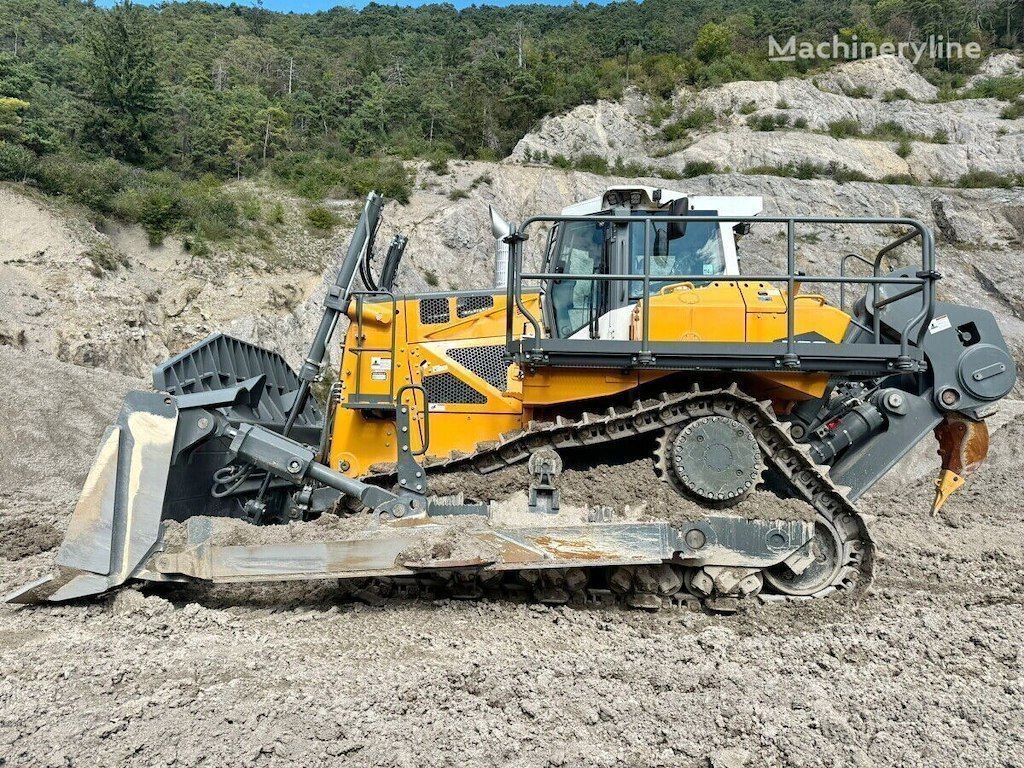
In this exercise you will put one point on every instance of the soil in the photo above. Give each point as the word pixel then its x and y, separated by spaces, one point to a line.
pixel 925 670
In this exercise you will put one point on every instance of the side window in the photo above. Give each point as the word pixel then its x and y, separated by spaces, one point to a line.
pixel 697 251
pixel 581 251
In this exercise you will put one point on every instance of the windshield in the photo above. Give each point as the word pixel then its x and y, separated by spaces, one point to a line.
pixel 698 251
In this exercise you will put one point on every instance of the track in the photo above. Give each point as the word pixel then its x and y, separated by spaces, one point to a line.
pixel 841 531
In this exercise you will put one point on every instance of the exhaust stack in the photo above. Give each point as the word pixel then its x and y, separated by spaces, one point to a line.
pixel 500 229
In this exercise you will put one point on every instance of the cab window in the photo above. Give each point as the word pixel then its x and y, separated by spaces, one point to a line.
pixel 581 251
pixel 697 251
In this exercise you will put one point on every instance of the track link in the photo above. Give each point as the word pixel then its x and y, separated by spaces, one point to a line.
pixel 788 459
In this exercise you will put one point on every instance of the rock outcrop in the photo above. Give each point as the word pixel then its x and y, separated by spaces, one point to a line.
pixel 750 125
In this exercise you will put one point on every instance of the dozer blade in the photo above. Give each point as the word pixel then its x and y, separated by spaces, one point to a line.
pixel 116 523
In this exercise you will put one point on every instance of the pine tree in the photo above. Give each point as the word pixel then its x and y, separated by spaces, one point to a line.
pixel 124 82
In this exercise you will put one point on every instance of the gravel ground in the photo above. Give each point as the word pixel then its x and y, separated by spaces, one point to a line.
pixel 925 670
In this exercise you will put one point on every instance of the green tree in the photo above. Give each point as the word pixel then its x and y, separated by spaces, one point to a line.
pixel 124 82
pixel 714 41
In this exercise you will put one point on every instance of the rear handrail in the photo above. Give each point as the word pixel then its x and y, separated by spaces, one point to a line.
pixel 924 278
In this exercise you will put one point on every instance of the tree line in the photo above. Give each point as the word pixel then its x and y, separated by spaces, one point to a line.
pixel 315 99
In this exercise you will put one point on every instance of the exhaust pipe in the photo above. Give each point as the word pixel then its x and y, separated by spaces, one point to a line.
pixel 500 229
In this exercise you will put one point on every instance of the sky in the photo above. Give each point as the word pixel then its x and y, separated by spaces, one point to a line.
pixel 309 6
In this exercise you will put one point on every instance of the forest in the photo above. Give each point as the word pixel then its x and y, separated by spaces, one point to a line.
pixel 137 111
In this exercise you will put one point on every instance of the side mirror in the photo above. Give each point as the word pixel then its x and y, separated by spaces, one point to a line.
pixel 678 207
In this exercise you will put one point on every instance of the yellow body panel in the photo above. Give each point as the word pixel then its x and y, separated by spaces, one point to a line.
pixel 744 312
pixel 361 438
pixel 409 344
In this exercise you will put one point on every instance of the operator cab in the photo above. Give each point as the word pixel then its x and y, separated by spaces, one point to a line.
pixel 582 308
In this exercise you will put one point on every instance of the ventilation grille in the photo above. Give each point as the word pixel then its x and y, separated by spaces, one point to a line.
pixel 448 388
pixel 434 311
pixel 485 362
pixel 470 305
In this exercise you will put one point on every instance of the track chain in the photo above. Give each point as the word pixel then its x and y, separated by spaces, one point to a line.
pixel 790 460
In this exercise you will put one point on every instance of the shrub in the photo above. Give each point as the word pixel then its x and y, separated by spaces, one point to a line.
pixel 458 194
pixel 94 184
pixel 591 163
pixel 430 278
pixel 315 176
pixel 858 92
pixel 16 162
pixel 439 164
pixel 904 147
pixel 749 108
pixel 276 215
pixel 904 179
pixel 975 179
pixel 250 208
pixel 1005 88
pixel 1013 111
pixel 889 129
pixel 699 168
pixel 695 118
pixel 322 218
pixel 897 94
pixel 767 122
pixel 103 258
pixel 941 136
pixel 800 122
pixel 782 104
pixel 845 128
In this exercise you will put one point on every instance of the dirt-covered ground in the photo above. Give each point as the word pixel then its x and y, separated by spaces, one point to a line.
pixel 926 670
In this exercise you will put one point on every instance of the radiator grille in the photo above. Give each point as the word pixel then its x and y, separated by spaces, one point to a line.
pixel 485 362
pixel 450 389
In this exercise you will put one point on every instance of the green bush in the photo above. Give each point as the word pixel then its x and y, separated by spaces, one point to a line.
pixel 1013 111
pixel 458 194
pixel 322 218
pixel 749 108
pixel 276 215
pixel 897 94
pixel 904 179
pixel 1005 88
pixel 699 168
pixel 93 183
pixel 438 164
pixel 695 118
pixel 941 136
pixel 16 162
pixel 590 163
pixel 904 147
pixel 314 176
pixel 975 179
pixel 800 122
pixel 767 122
pixel 845 128
pixel 251 208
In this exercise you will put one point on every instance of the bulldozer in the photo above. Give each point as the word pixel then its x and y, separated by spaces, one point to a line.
pixel 636 331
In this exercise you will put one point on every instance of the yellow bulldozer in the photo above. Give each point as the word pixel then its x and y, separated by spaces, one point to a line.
pixel 635 333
